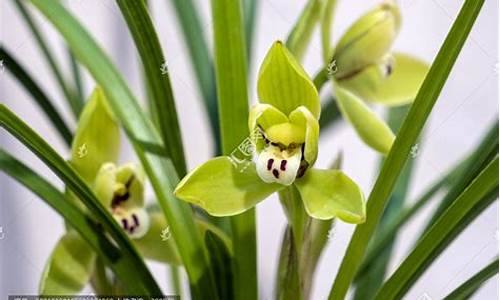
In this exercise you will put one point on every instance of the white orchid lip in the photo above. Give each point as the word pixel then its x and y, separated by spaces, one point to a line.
pixel 134 221
pixel 275 164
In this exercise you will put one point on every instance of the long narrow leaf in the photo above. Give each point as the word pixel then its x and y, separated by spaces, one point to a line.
pixel 38 95
pixel 156 72
pixel 75 103
pixel 201 61
pixel 231 77
pixel 441 233
pixel 76 184
pixel 144 138
pixel 250 12
pixel 466 289
pixel 300 36
pixel 414 122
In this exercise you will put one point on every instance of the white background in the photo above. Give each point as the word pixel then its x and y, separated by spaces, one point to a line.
pixel 466 108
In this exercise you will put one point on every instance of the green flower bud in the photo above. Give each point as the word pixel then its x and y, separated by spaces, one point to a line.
pixel 368 40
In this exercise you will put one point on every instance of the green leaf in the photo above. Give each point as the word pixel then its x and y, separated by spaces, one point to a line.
pixel 97 137
pixel 145 140
pixel 201 61
pixel 284 84
pixel 288 281
pixel 370 127
pixel 467 289
pixel 69 267
pixel 157 78
pixel 242 187
pixel 250 12
pixel 231 77
pixel 220 260
pixel 330 193
pixel 38 95
pixel 75 103
pixel 120 262
pixel 440 234
pixel 368 40
pixel 300 36
pixel 302 117
pixel 77 185
pixel 398 88
pixel 400 151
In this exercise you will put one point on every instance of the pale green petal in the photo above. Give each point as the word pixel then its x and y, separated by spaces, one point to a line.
pixel 303 117
pixel 69 266
pixel 330 193
pixel 369 126
pixel 224 187
pixel 97 138
pixel 284 84
pixel 158 243
pixel 399 88
pixel 367 40
pixel 261 117
pixel 132 176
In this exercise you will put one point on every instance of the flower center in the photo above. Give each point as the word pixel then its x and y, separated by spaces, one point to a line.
pixel 134 221
pixel 275 164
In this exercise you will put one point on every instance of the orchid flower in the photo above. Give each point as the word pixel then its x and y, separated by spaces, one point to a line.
pixel 120 189
pixel 363 68
pixel 284 132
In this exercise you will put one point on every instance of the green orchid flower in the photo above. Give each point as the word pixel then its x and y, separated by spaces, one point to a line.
pixel 284 133
pixel 363 69
pixel 120 189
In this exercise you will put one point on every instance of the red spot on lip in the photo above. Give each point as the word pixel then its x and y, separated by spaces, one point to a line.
pixel 276 173
pixel 125 224
pixel 270 164
pixel 283 165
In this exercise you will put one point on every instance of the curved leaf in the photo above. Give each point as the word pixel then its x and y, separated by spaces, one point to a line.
pixel 69 266
pixel 223 189
pixel 284 84
pixel 370 127
pixel 398 88
pixel 330 193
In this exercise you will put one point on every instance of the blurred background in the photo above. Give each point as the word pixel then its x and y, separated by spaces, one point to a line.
pixel 467 106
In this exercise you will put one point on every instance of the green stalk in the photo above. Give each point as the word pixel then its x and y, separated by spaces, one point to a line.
pixel 300 36
pixel 38 95
pixel 201 61
pixel 75 103
pixel 442 233
pixel 146 143
pixel 141 27
pixel 467 289
pixel 77 76
pixel 231 78
pixel 250 12
pixel 409 132
pixel 75 183
pixel 326 27
pixel 369 283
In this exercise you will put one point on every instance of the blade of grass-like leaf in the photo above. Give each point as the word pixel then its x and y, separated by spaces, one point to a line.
pixel 298 39
pixel 231 78
pixel 38 95
pixel 146 142
pixel 75 103
pixel 189 19
pixel 481 156
pixel 77 76
pixel 155 70
pixel 440 235
pixel 76 184
pixel 368 283
pixel 466 289
pixel 389 231
pixel 326 27
pixel 249 13
pixel 408 134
